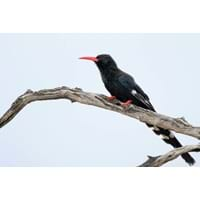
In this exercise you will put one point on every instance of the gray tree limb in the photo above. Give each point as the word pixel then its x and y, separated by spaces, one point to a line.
pixel 171 155
pixel 179 125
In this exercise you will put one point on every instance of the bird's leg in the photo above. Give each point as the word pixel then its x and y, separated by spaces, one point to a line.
pixel 127 103
pixel 111 98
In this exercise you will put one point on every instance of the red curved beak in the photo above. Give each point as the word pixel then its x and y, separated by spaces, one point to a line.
pixel 89 58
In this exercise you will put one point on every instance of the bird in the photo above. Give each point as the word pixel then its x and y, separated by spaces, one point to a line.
pixel 123 87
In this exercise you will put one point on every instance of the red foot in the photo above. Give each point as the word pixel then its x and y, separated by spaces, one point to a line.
pixel 111 98
pixel 127 103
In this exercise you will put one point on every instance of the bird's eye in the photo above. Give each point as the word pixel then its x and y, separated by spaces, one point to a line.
pixel 106 62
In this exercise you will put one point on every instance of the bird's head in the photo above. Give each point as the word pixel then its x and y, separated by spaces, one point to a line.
pixel 104 62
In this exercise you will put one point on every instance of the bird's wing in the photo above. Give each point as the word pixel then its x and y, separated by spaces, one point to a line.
pixel 129 84
pixel 140 91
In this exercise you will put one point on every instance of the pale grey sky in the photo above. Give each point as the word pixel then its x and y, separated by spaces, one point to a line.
pixel 58 133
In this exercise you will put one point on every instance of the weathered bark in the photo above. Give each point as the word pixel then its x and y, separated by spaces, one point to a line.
pixel 179 125
pixel 158 161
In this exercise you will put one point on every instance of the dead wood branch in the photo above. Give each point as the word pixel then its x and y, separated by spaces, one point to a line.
pixel 171 155
pixel 179 125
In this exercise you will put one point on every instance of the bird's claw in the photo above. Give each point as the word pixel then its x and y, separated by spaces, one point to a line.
pixel 111 98
pixel 127 103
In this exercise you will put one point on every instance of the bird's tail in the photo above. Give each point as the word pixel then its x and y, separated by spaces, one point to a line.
pixel 169 138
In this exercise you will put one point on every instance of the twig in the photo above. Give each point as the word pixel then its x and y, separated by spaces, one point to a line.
pixel 171 155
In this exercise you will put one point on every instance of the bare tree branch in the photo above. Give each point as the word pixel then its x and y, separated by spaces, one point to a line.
pixel 179 125
pixel 171 155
